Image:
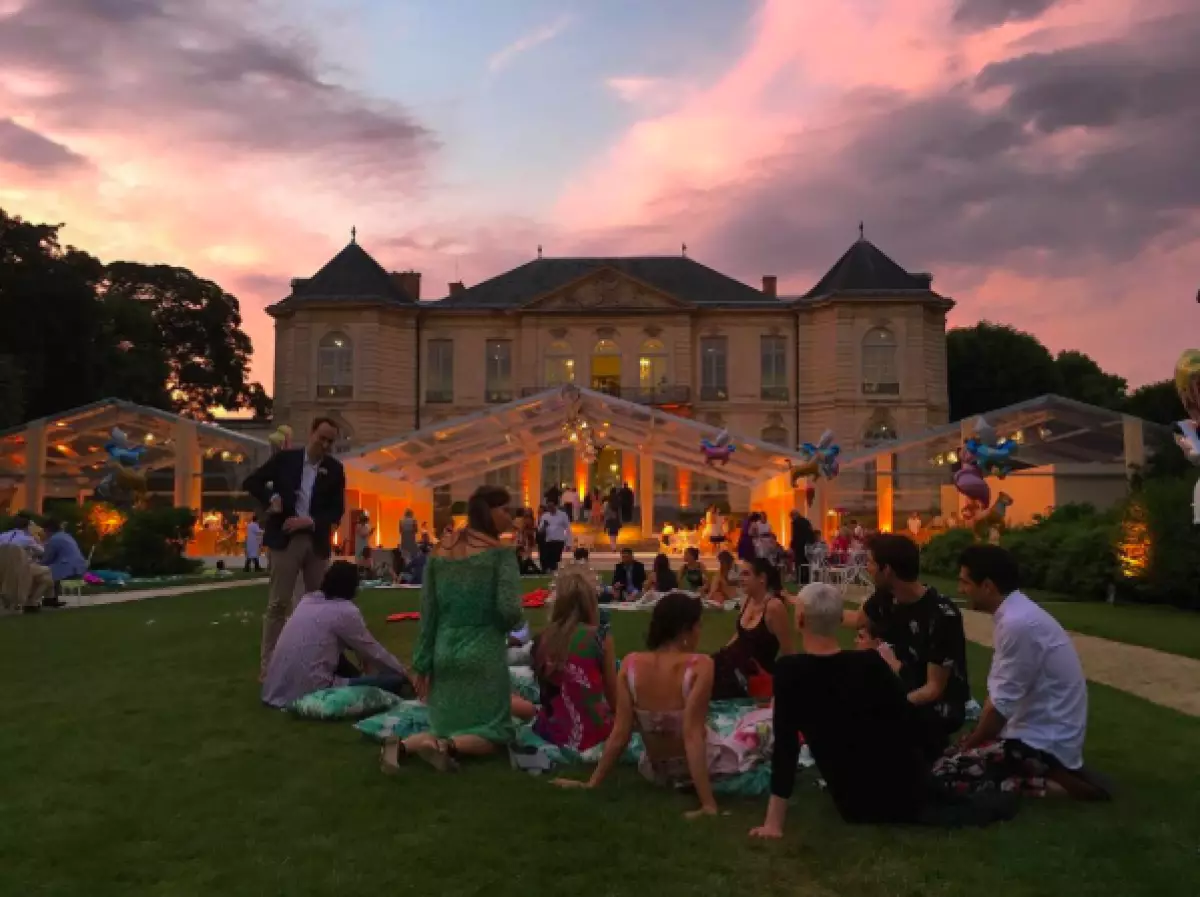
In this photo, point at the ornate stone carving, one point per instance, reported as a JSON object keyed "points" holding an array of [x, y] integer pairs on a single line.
{"points": [[606, 332], [653, 332], [558, 332], [605, 290]]}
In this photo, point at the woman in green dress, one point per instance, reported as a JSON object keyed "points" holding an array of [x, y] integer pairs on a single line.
{"points": [[470, 601]]}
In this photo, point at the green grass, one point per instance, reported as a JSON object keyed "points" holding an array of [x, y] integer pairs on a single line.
{"points": [[1152, 626], [138, 761]]}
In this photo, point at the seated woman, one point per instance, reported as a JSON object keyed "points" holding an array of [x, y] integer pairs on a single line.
{"points": [[723, 587], [764, 631], [691, 574], [470, 601], [309, 655], [664, 693], [662, 577], [575, 665]]}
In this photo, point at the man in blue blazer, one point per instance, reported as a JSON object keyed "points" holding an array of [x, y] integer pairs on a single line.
{"points": [[304, 493]]}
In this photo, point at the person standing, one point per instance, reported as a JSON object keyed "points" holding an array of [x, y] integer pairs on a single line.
{"points": [[626, 503], [254, 537], [408, 535], [555, 527], [803, 535], [304, 491], [570, 499], [362, 540]]}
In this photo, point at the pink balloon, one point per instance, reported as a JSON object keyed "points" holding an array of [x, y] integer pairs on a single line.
{"points": [[970, 482]]}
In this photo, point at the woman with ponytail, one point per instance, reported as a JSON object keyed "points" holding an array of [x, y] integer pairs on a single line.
{"points": [[470, 601], [575, 664]]}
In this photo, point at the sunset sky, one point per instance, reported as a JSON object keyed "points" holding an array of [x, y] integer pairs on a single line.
{"points": [[1040, 157]]}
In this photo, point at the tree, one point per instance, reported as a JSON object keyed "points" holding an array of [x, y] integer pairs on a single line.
{"points": [[990, 366], [1158, 402], [1084, 381], [200, 325], [12, 392]]}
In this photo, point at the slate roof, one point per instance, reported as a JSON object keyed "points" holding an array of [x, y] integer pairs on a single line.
{"points": [[352, 275], [681, 277], [865, 270]]}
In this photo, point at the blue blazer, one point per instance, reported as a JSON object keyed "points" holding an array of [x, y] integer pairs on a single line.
{"points": [[281, 476]]}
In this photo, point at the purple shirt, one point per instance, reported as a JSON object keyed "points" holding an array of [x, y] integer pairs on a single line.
{"points": [[311, 644]]}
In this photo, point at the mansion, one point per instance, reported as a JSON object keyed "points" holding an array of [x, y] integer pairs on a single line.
{"points": [[862, 353]]}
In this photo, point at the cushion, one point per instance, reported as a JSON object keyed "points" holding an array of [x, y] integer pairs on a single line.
{"points": [[524, 684], [344, 702], [404, 719]]}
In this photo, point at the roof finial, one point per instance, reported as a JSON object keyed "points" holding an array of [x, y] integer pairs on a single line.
{"points": [[860, 231], [685, 250], [539, 250], [353, 234]]}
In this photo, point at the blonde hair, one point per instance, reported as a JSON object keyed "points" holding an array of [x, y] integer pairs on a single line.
{"points": [[576, 604]]}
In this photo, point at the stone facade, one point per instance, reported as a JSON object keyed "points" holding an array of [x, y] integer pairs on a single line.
{"points": [[864, 358]]}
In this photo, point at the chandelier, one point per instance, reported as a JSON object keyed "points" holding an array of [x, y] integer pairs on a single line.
{"points": [[578, 432]]}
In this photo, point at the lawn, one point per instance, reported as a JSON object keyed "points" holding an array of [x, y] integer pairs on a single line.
{"points": [[1152, 626], [138, 761]]}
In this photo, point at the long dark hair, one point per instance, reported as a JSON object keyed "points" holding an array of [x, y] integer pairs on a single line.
{"points": [[675, 614], [662, 564], [768, 571], [483, 501]]}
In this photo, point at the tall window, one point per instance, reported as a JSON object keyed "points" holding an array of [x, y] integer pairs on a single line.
{"points": [[708, 490], [558, 470], [879, 374], [714, 385], [652, 365], [560, 364], [498, 379], [606, 367], [508, 478], [440, 371], [775, 435], [335, 367], [773, 350]]}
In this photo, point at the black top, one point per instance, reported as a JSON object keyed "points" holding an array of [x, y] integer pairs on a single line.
{"points": [[863, 734], [665, 581], [759, 643], [282, 475], [928, 631]]}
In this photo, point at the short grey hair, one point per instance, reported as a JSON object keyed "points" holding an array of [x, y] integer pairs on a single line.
{"points": [[821, 604]]}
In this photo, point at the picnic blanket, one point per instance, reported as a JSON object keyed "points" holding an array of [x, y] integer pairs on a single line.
{"points": [[536, 598], [403, 617]]}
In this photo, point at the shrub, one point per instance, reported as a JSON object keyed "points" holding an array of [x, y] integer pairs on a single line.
{"points": [[940, 554], [152, 542], [1164, 508]]}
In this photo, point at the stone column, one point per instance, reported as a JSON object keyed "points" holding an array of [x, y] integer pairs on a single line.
{"points": [[35, 467], [189, 466], [645, 492], [885, 491], [582, 469], [683, 480], [1135, 443], [629, 468]]}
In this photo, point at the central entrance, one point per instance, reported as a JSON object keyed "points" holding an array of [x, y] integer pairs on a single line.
{"points": [[606, 368], [606, 470]]}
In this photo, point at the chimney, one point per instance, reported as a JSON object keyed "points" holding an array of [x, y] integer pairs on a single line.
{"points": [[457, 288], [770, 282], [409, 283]]}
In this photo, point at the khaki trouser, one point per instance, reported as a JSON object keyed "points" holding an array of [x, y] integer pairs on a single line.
{"points": [[43, 584], [296, 562]]}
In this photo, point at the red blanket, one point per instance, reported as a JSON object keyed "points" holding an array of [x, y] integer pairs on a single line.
{"points": [[536, 598], [400, 618]]}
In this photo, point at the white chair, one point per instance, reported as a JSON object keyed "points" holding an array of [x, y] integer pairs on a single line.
{"points": [[74, 587]]}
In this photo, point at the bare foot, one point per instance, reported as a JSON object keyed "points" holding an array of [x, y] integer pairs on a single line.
{"points": [[436, 752]]}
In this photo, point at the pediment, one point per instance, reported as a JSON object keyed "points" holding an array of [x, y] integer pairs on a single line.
{"points": [[606, 289]]}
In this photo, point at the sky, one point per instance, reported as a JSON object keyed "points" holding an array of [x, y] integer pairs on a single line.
{"points": [[1040, 157]]}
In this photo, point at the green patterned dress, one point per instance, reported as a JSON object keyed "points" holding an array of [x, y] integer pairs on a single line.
{"points": [[468, 607]]}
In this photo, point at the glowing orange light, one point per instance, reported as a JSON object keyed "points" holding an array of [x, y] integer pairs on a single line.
{"points": [[106, 520]]}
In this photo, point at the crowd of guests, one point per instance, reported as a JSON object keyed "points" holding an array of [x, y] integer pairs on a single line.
{"points": [[882, 720]]}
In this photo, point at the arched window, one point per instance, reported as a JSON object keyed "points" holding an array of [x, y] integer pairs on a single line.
{"points": [[775, 435], [652, 366], [879, 373], [335, 366], [606, 367], [560, 364]]}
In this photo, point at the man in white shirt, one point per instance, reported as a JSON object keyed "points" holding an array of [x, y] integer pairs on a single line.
{"points": [[1030, 735], [254, 537], [556, 535], [43, 580]]}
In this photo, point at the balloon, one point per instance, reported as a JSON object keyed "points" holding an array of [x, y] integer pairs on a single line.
{"points": [[1187, 383], [718, 449], [820, 459], [969, 481], [1187, 438], [992, 456], [124, 458], [994, 517], [281, 438]]}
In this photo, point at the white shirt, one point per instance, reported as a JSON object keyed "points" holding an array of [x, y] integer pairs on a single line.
{"points": [[557, 527], [1036, 681], [570, 497], [308, 478], [21, 537], [254, 534], [914, 525]]}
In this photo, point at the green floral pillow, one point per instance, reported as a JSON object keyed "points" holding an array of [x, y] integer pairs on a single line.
{"points": [[524, 683], [344, 702], [406, 718]]}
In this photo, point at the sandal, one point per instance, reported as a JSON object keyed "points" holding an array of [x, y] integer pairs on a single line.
{"points": [[390, 754], [442, 755]]}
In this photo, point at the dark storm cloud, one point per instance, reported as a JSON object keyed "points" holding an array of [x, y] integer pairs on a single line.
{"points": [[30, 150], [200, 72], [950, 180], [975, 15]]}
